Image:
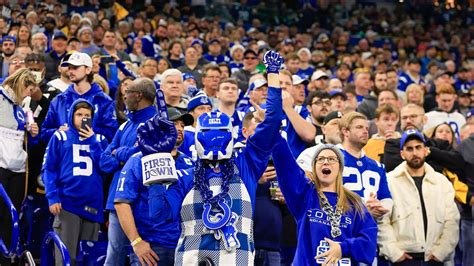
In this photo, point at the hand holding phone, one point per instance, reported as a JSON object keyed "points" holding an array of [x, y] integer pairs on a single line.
{"points": [[107, 59], [86, 128]]}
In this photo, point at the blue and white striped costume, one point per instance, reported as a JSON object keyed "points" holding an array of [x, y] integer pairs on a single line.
{"points": [[197, 242]]}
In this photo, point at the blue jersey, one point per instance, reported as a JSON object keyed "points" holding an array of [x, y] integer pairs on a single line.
{"points": [[217, 59], [296, 144], [188, 147], [150, 47], [358, 239], [305, 73], [71, 172], [104, 122], [364, 175], [236, 120], [234, 66], [131, 190], [404, 80], [125, 145]]}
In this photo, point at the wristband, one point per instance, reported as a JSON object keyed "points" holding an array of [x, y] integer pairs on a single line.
{"points": [[136, 241]]}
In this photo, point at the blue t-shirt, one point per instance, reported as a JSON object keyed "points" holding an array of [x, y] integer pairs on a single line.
{"points": [[130, 189]]}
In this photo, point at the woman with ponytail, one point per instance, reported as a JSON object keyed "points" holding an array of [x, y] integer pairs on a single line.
{"points": [[334, 226]]}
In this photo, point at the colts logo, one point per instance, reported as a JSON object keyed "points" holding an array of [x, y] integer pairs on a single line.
{"points": [[203, 100]]}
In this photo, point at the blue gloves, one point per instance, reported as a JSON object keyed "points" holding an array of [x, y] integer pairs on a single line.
{"points": [[273, 61], [157, 134]]}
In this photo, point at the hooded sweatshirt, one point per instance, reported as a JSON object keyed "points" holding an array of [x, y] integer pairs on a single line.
{"points": [[71, 171], [105, 122]]}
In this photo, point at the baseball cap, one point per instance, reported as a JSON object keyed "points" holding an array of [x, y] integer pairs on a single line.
{"points": [[174, 114], [318, 74], [188, 76], [331, 116], [338, 92], [250, 51], [409, 135], [257, 84], [9, 38], [298, 80], [78, 59], [470, 113], [196, 41], [214, 41], [50, 20], [59, 35]]}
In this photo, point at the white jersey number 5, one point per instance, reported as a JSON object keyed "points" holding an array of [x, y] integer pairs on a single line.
{"points": [[77, 159]]}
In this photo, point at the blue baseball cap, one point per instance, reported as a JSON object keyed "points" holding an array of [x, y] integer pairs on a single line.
{"points": [[470, 113], [59, 35], [409, 135], [196, 41], [257, 84], [9, 38], [188, 76]]}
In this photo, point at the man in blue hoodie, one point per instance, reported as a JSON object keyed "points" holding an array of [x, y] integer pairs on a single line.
{"points": [[139, 99], [73, 184], [80, 74]]}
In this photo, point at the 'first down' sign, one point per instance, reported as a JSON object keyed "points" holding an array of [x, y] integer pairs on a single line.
{"points": [[158, 168]]}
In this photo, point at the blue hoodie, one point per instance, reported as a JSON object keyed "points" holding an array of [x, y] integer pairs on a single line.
{"points": [[124, 146], [71, 171], [105, 120], [358, 240]]}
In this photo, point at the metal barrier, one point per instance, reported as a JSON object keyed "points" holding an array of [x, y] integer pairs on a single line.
{"points": [[47, 250], [10, 252]]}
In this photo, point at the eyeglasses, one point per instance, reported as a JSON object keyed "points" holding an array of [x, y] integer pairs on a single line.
{"points": [[250, 58], [321, 102], [412, 117], [330, 160], [17, 62]]}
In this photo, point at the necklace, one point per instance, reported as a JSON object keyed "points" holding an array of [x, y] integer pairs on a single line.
{"points": [[218, 202], [334, 216]]}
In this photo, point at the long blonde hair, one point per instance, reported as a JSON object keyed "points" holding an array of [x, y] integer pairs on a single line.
{"points": [[19, 80], [346, 199]]}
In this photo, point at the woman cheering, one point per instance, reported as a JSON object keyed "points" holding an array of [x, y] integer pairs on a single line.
{"points": [[334, 226]]}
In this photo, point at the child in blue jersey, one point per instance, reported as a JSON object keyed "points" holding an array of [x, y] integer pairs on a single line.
{"points": [[73, 184], [334, 227]]}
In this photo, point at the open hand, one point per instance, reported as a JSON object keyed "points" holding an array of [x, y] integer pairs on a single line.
{"points": [[145, 254], [375, 207]]}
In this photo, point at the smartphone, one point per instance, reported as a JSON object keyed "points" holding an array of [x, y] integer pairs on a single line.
{"points": [[86, 121], [107, 59]]}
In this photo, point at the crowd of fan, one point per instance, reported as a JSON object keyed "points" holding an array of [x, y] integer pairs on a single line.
{"points": [[401, 66]]}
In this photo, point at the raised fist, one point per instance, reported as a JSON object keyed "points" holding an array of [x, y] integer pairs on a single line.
{"points": [[157, 134], [273, 61]]}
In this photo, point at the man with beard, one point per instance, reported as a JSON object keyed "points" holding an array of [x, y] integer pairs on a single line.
{"points": [[8, 49], [363, 175], [139, 99], [413, 116], [156, 239], [80, 74], [318, 104], [423, 227]]}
